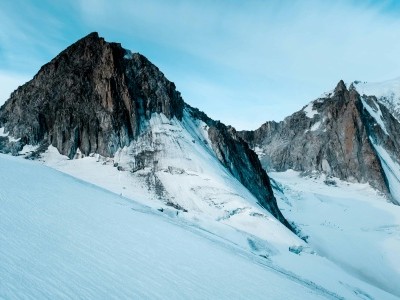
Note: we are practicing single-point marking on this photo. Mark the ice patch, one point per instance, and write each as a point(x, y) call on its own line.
point(2, 133)
point(392, 171)
point(259, 151)
point(309, 111)
point(128, 54)
point(375, 113)
point(316, 126)
point(325, 166)
point(10, 138)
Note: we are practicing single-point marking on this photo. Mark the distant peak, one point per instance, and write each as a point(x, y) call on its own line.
point(91, 38)
point(94, 35)
point(340, 88)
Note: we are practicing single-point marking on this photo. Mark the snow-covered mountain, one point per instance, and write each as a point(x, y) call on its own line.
point(165, 202)
point(65, 238)
point(97, 98)
point(342, 134)
point(387, 92)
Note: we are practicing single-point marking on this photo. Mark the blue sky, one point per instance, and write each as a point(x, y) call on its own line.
point(242, 62)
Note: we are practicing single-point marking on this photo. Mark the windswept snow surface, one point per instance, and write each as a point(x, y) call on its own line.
point(348, 223)
point(387, 92)
point(61, 238)
point(187, 173)
point(2, 133)
point(218, 208)
point(389, 88)
point(375, 113)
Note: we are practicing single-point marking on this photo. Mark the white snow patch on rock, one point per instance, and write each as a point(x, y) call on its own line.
point(128, 54)
point(2, 132)
point(316, 126)
point(309, 111)
point(392, 171)
point(6, 134)
point(376, 113)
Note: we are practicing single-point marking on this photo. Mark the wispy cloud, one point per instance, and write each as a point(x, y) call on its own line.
point(294, 49)
point(243, 62)
point(32, 32)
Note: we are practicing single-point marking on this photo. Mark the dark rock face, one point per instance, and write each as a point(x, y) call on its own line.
point(242, 162)
point(333, 135)
point(96, 96)
point(92, 96)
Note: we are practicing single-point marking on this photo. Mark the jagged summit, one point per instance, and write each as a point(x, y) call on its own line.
point(340, 87)
point(83, 99)
point(345, 135)
point(96, 97)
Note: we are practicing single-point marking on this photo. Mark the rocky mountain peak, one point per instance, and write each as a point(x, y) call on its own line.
point(92, 38)
point(340, 88)
point(96, 98)
point(93, 96)
point(340, 135)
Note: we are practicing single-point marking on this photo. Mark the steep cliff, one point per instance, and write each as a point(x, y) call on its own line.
point(338, 134)
point(96, 97)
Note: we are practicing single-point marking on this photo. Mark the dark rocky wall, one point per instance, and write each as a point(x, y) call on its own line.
point(95, 95)
point(339, 144)
point(89, 97)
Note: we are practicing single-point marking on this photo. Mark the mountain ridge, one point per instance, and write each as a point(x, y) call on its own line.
point(336, 134)
point(96, 97)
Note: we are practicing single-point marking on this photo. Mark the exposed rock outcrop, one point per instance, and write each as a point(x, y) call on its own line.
point(98, 97)
point(92, 96)
point(242, 162)
point(335, 135)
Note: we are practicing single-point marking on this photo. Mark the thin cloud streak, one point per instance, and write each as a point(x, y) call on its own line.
point(300, 48)
point(241, 62)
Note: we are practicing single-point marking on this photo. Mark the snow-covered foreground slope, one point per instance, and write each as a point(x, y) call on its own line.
point(180, 170)
point(63, 238)
point(348, 223)
point(171, 228)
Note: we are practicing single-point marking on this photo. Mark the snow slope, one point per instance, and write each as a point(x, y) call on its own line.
point(348, 223)
point(189, 185)
point(61, 238)
point(183, 172)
